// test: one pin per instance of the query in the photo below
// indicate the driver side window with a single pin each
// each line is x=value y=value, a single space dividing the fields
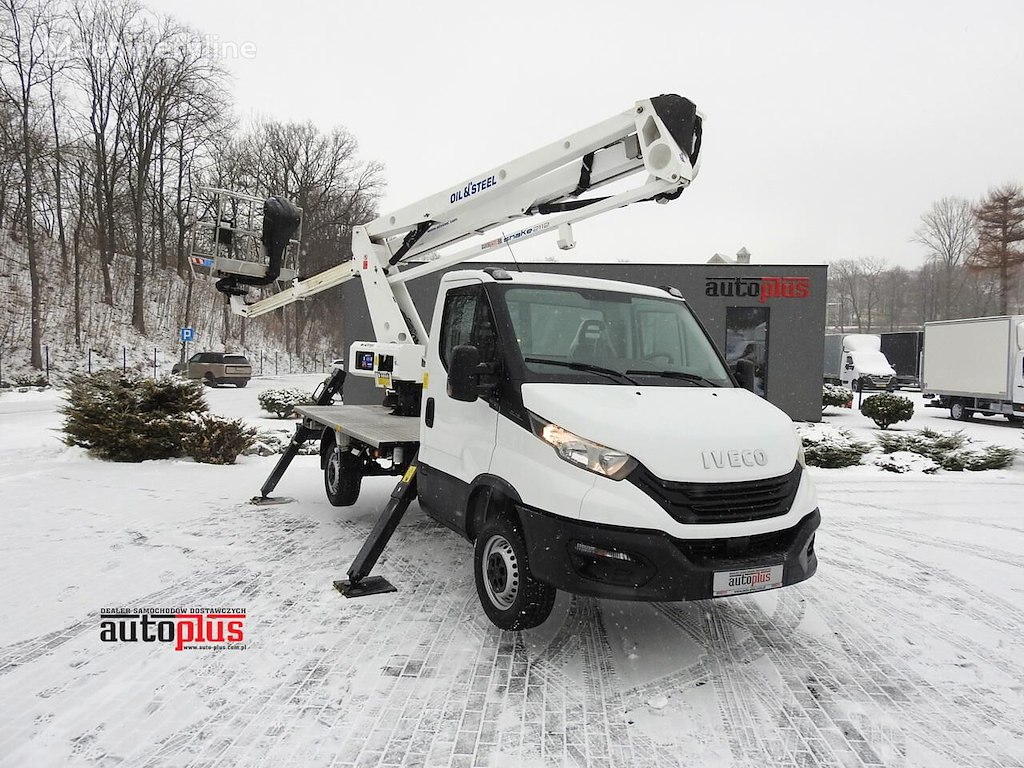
x=467 y=320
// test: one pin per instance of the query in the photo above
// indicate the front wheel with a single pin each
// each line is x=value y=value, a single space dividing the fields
x=343 y=477
x=958 y=412
x=510 y=596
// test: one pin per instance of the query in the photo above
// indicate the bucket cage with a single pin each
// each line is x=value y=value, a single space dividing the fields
x=239 y=240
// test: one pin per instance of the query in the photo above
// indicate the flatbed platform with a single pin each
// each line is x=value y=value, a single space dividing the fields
x=371 y=424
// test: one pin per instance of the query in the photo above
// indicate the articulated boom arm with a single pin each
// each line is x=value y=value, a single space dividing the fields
x=659 y=137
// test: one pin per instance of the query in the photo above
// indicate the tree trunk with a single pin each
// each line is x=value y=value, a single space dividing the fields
x=35 y=278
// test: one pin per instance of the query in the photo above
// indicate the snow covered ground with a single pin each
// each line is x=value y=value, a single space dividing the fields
x=906 y=649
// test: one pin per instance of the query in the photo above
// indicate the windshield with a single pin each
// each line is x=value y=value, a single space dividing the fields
x=612 y=337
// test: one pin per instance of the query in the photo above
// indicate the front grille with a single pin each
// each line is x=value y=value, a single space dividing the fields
x=720 y=502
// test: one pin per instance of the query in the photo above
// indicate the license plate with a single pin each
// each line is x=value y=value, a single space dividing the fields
x=746 y=580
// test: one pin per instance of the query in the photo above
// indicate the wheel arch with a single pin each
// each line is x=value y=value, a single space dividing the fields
x=327 y=443
x=489 y=495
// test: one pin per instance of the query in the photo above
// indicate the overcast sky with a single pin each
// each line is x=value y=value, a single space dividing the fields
x=830 y=127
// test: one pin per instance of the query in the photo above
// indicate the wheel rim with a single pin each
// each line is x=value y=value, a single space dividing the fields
x=501 y=572
x=958 y=411
x=333 y=471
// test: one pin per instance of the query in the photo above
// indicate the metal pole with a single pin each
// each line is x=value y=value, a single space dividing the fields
x=89 y=369
x=47 y=363
x=154 y=362
x=275 y=362
x=124 y=359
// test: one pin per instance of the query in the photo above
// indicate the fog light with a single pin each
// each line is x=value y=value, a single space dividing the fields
x=592 y=551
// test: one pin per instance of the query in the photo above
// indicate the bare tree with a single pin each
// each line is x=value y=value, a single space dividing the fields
x=25 y=29
x=1000 y=221
x=947 y=232
x=163 y=64
x=321 y=173
x=100 y=29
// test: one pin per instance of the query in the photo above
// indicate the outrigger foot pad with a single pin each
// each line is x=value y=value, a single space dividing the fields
x=266 y=501
x=371 y=585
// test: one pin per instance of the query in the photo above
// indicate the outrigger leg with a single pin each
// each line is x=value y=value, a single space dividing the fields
x=324 y=395
x=359 y=582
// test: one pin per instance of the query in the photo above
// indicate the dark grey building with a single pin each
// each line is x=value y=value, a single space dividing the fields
x=773 y=315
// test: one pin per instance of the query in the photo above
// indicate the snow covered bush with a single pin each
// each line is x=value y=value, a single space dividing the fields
x=216 y=440
x=283 y=401
x=835 y=396
x=885 y=409
x=830 y=447
x=906 y=461
x=125 y=416
x=271 y=441
x=952 y=451
x=29 y=380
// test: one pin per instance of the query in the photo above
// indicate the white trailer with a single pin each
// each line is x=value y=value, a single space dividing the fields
x=586 y=434
x=975 y=366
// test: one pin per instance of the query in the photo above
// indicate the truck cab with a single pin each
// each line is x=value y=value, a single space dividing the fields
x=862 y=364
x=588 y=435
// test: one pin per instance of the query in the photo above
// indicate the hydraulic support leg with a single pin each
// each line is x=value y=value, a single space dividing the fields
x=359 y=583
x=323 y=396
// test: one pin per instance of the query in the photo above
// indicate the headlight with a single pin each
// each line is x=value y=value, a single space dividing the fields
x=584 y=453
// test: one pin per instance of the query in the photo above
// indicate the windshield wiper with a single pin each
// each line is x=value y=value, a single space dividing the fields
x=581 y=367
x=695 y=378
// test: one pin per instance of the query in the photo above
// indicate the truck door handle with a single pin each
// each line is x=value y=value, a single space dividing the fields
x=428 y=412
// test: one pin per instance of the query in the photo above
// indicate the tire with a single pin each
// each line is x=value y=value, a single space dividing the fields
x=241 y=384
x=855 y=385
x=1014 y=418
x=958 y=412
x=209 y=381
x=510 y=596
x=343 y=477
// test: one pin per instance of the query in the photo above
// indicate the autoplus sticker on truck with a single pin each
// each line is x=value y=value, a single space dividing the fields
x=746 y=580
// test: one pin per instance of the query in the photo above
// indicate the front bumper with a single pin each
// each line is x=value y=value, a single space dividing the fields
x=635 y=564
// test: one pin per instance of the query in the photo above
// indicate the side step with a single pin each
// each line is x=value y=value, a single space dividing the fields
x=359 y=583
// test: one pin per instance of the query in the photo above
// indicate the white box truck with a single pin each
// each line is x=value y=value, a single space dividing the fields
x=975 y=366
x=854 y=360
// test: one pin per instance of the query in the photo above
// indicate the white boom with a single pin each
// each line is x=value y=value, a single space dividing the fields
x=659 y=136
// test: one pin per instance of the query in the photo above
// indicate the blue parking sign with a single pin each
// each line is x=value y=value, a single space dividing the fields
x=187 y=334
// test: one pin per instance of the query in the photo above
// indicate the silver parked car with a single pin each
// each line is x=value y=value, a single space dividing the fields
x=214 y=368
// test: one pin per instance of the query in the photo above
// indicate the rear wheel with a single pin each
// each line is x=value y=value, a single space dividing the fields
x=1014 y=418
x=510 y=596
x=958 y=412
x=209 y=380
x=242 y=383
x=343 y=477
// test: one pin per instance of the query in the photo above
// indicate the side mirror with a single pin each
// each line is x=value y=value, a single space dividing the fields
x=463 y=374
x=745 y=374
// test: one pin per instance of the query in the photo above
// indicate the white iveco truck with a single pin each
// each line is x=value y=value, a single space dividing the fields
x=586 y=434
